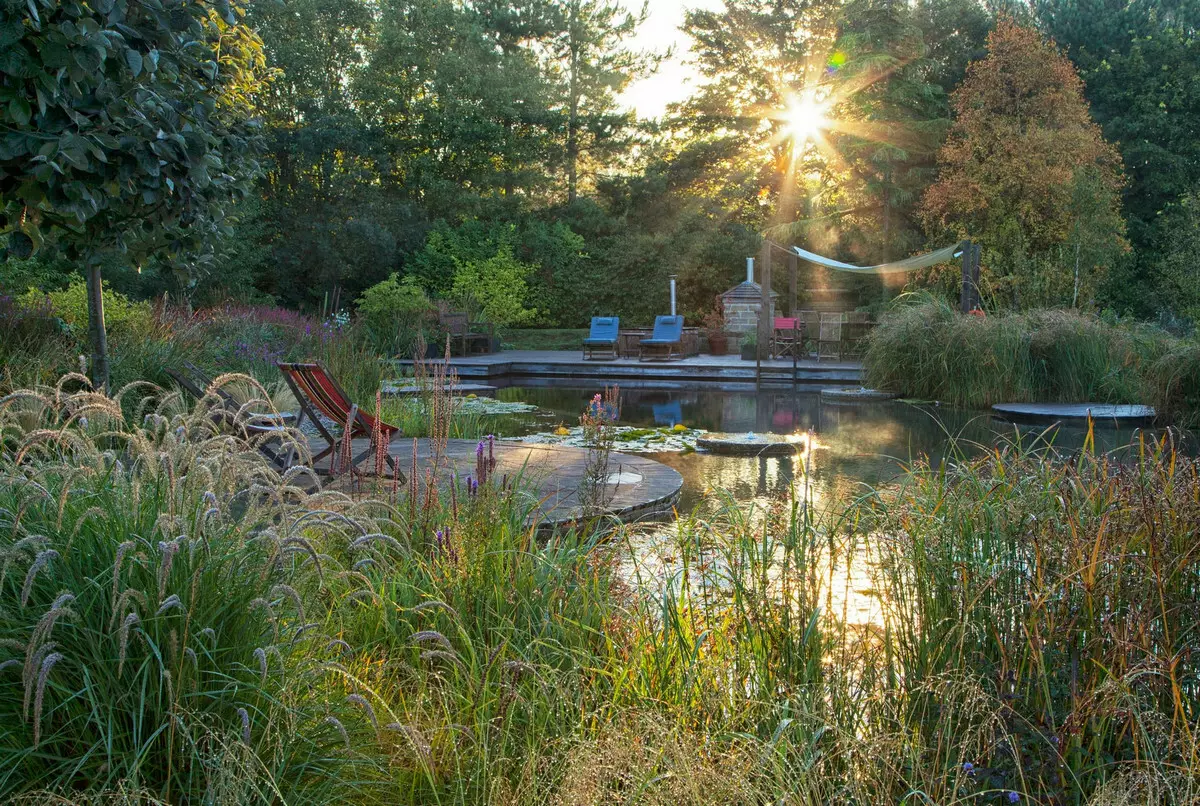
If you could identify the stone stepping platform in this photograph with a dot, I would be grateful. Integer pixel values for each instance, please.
(460, 390)
(855, 394)
(640, 488)
(748, 444)
(1048, 412)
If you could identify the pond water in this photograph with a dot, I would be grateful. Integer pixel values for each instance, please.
(852, 448)
(854, 444)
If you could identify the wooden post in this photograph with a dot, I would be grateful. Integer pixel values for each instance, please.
(764, 313)
(964, 297)
(976, 299)
(793, 270)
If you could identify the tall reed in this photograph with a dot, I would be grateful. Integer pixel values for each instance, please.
(925, 349)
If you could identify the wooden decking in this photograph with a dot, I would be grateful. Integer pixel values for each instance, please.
(568, 364)
(639, 487)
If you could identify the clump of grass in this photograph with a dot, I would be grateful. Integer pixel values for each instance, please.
(1018, 625)
(927, 350)
(160, 611)
(1173, 384)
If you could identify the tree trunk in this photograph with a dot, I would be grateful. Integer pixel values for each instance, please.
(99, 338)
(573, 134)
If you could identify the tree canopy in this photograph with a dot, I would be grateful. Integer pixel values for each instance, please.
(413, 137)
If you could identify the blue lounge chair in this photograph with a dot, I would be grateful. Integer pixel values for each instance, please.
(667, 336)
(603, 337)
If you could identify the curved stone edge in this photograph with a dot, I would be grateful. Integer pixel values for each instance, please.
(724, 447)
(642, 510)
(851, 395)
(1054, 412)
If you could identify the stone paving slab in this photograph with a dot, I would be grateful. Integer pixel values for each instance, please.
(1075, 411)
(639, 487)
(395, 390)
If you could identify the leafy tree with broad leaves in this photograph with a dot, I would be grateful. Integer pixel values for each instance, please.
(124, 129)
(1027, 172)
(1140, 63)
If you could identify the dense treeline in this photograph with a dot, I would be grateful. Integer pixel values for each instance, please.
(468, 144)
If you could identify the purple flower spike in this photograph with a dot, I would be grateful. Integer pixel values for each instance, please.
(968, 768)
(1013, 797)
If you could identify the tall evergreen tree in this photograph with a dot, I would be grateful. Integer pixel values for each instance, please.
(591, 65)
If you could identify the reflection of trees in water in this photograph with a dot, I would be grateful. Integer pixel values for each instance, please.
(865, 443)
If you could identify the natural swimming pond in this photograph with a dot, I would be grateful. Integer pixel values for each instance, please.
(855, 444)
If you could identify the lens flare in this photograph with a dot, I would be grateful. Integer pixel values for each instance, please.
(805, 118)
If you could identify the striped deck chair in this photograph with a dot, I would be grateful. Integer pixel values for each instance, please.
(267, 430)
(319, 394)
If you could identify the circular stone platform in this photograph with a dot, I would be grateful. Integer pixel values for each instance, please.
(639, 487)
(855, 394)
(1045, 412)
(749, 444)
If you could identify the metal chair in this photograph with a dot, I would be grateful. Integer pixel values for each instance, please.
(829, 337)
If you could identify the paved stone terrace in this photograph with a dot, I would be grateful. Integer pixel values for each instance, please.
(721, 368)
(640, 487)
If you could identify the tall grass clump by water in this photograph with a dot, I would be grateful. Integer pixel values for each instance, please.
(162, 615)
(927, 350)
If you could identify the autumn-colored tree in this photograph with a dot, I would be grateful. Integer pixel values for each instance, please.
(1027, 173)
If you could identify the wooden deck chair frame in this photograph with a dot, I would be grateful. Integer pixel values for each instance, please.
(318, 393)
(787, 336)
(198, 384)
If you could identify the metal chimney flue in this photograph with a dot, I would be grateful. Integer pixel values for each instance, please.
(749, 270)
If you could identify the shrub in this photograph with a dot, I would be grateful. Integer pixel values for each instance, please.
(396, 315)
(495, 287)
(123, 318)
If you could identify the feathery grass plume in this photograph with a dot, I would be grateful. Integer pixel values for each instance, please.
(261, 655)
(170, 603)
(34, 656)
(43, 558)
(130, 621)
(432, 635)
(288, 592)
(340, 728)
(340, 644)
(43, 675)
(361, 702)
(245, 717)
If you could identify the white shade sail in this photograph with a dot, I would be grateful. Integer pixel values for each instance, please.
(907, 264)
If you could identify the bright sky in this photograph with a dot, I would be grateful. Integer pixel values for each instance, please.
(674, 80)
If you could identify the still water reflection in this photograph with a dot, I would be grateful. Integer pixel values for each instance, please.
(857, 445)
(854, 448)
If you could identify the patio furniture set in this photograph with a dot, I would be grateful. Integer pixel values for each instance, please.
(808, 334)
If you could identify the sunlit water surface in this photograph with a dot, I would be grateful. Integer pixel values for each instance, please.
(855, 448)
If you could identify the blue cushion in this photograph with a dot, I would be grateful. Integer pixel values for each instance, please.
(667, 329)
(659, 341)
(604, 328)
